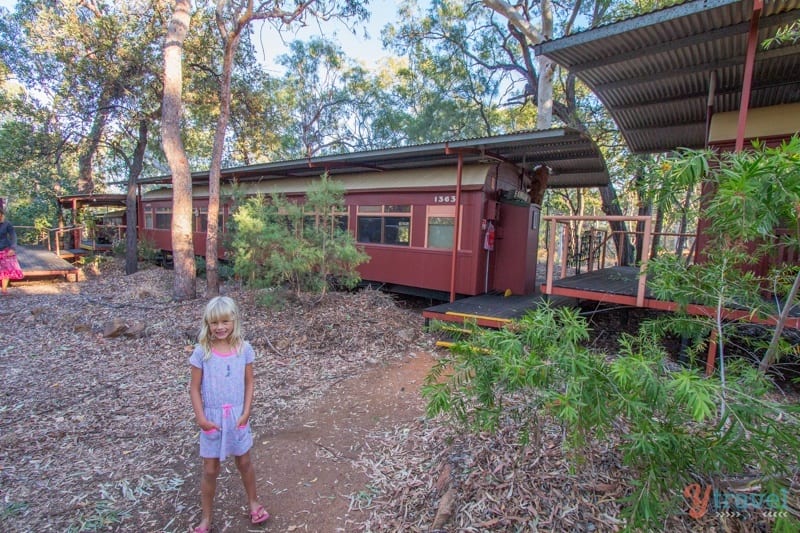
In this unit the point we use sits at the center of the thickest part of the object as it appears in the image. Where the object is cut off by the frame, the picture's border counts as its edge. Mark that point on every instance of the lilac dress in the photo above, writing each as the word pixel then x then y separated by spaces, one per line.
pixel 222 389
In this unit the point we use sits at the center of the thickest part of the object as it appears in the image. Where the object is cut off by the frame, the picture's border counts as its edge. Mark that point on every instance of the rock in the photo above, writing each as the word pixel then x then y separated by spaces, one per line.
pixel 135 330
pixel 115 328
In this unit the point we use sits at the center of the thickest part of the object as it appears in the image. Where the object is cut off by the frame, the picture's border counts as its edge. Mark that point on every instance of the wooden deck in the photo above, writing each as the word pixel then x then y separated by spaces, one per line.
pixel 39 262
pixel 617 286
pixel 490 310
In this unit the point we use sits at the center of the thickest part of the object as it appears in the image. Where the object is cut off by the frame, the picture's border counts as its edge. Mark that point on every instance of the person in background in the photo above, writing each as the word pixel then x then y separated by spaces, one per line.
pixel 221 389
pixel 9 266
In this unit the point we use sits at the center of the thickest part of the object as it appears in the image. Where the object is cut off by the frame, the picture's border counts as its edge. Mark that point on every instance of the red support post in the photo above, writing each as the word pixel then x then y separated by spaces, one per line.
pixel 457 229
pixel 747 81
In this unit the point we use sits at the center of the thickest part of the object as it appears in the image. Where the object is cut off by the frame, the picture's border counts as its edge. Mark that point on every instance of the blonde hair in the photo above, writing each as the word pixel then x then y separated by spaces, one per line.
pixel 220 308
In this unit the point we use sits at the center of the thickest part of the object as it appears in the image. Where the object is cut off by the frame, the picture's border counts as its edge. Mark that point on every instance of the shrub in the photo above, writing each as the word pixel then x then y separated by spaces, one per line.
pixel 278 242
pixel 147 250
pixel 679 425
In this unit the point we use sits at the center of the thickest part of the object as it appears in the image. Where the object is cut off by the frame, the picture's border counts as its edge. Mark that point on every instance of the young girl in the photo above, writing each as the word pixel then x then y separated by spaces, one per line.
pixel 221 389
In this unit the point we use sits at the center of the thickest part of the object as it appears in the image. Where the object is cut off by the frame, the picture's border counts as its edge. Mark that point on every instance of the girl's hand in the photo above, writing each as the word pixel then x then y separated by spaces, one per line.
pixel 207 425
pixel 242 422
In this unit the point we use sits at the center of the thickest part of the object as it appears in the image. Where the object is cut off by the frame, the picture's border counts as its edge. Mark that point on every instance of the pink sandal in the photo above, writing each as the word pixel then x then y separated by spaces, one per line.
pixel 259 516
pixel 201 529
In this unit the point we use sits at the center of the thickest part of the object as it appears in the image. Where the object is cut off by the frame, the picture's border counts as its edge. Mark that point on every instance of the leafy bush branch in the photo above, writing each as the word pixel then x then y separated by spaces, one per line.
pixel 304 246
pixel 666 420
pixel 752 216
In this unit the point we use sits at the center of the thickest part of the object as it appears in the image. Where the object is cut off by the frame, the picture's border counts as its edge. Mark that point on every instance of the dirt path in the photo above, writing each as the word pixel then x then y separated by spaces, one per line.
pixel 306 472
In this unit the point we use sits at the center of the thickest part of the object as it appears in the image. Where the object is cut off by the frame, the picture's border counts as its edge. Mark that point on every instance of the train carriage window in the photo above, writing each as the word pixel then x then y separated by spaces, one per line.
pixel 336 220
pixel 381 224
pixel 201 224
pixel 163 217
pixel 341 222
pixel 148 217
pixel 441 224
pixel 369 229
pixel 397 230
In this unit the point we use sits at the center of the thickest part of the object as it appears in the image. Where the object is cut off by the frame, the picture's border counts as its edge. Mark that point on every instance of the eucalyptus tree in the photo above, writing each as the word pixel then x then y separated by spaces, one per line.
pixel 315 98
pixel 83 58
pixel 233 18
pixel 495 38
pixel 452 84
pixel 34 163
pixel 93 66
pixel 184 283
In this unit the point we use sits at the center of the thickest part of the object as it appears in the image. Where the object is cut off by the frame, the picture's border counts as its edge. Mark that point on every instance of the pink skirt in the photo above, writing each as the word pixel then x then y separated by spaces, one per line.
pixel 9 266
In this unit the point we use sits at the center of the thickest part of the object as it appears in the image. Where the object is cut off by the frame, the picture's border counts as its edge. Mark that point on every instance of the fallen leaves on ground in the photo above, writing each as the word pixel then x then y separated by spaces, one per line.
pixel 98 431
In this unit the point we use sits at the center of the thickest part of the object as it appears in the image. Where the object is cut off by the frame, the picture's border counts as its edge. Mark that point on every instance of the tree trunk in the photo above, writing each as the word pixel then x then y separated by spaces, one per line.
pixel 184 286
pixel 645 208
pixel 131 209
pixel 212 233
pixel 658 228
pixel 772 349
pixel 544 108
pixel 611 207
pixel 90 145
pixel 681 244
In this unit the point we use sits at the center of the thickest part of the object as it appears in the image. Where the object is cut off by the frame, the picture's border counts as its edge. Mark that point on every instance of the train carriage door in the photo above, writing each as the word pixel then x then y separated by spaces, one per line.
pixel 516 242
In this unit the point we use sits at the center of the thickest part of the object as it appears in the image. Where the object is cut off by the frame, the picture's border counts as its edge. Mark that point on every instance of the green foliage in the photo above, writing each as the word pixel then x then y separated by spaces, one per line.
pixel 118 248
pixel 785 34
pixel 279 242
pixel 147 250
pixel 13 509
pixel 676 430
pixel 224 269
pixel 272 298
pixel 752 213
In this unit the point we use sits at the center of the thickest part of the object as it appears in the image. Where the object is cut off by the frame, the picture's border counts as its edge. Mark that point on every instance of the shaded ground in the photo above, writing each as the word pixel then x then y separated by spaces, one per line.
pixel 97 433
pixel 96 428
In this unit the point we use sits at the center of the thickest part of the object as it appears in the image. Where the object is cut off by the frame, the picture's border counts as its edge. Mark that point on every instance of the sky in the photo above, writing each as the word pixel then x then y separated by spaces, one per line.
pixel 367 52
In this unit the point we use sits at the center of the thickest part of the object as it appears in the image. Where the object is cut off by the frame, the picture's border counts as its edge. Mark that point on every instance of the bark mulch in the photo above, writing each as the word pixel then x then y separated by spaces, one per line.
pixel 97 433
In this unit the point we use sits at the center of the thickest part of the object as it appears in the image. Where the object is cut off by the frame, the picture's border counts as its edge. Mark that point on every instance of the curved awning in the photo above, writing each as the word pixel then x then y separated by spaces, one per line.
pixel 573 158
pixel 659 74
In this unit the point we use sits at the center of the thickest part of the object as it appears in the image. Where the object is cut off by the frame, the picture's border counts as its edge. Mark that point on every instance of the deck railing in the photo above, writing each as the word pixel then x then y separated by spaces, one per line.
pixel 53 238
pixel 598 246
pixel 101 237
pixel 94 238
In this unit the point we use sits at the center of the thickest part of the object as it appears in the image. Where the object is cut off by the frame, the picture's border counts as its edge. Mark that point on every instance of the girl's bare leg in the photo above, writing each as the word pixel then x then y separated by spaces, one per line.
pixel 4 283
pixel 208 486
pixel 248 473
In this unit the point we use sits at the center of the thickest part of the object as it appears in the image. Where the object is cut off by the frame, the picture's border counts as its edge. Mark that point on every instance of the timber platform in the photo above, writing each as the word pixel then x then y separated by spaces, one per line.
pixel 40 262
pixel 491 310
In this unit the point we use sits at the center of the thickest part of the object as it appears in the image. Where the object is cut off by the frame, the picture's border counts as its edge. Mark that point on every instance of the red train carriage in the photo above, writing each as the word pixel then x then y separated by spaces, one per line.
pixel 407 206
pixel 407 225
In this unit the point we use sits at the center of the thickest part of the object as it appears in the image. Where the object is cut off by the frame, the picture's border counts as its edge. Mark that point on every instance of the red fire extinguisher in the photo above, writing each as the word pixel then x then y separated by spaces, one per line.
pixel 488 240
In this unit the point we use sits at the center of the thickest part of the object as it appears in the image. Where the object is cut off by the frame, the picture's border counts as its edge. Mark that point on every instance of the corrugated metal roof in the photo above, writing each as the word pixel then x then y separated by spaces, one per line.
pixel 653 71
pixel 573 158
